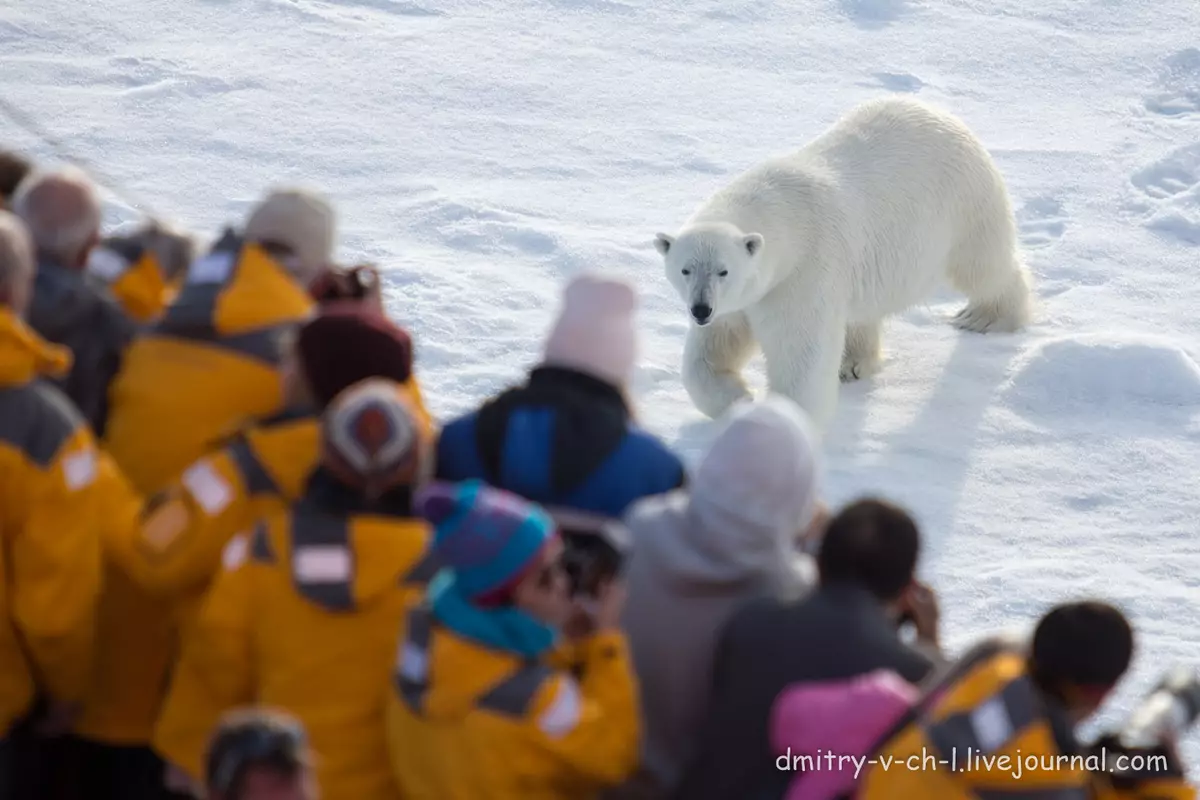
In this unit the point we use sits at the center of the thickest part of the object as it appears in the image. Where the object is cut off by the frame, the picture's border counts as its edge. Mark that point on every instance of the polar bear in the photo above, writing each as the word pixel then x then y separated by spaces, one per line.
pixel 805 254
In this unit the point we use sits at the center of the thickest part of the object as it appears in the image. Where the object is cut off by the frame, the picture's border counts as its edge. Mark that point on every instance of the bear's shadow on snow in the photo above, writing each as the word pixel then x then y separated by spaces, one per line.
pixel 948 427
pixel 924 464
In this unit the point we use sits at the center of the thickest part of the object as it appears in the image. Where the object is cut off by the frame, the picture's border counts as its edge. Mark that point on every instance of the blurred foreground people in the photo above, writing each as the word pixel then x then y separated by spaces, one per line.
pixel 1021 701
pixel 701 553
pixel 479 709
pixel 50 546
pixel 13 169
pixel 847 627
pixel 306 611
pixel 214 359
pixel 62 212
pixel 208 367
pixel 175 550
pixel 144 268
pixel 259 755
pixel 567 438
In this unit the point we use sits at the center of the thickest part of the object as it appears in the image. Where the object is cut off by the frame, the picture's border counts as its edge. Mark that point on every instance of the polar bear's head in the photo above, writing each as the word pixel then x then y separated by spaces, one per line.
pixel 713 267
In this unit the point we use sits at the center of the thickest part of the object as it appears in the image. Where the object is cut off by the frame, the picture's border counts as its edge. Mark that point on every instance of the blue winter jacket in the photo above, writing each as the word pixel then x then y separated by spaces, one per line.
pixel 564 439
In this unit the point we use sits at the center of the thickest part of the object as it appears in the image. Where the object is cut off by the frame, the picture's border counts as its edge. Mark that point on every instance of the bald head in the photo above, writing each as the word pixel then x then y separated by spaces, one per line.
pixel 16 264
pixel 62 211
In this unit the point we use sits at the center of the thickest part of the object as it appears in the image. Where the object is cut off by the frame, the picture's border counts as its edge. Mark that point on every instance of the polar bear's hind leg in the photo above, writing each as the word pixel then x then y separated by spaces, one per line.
pixel 987 268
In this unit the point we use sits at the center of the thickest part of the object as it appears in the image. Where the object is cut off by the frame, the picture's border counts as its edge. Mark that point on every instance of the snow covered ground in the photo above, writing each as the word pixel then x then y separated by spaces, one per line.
pixel 484 150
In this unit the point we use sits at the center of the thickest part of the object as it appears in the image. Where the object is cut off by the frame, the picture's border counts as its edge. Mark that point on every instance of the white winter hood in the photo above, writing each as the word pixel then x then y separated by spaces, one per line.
pixel 754 492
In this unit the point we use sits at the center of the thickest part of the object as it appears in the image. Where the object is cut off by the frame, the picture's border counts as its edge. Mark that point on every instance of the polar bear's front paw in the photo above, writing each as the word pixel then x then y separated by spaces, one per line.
pixel 717 392
pixel 856 367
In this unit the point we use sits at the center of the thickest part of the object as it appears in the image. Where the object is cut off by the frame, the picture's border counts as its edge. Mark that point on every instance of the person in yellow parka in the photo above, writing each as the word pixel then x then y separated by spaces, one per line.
pixel 174 551
pixel 145 268
pixel 210 365
pixel 213 362
pixel 1001 722
pixel 50 544
pixel 305 613
pixel 479 709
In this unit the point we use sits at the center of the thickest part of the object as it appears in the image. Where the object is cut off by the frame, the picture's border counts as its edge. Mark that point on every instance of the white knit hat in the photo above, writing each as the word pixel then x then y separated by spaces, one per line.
pixel 594 332
pixel 301 220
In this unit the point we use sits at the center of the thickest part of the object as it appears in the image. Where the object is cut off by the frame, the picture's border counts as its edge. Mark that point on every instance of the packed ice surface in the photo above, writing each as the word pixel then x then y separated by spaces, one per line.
pixel 482 151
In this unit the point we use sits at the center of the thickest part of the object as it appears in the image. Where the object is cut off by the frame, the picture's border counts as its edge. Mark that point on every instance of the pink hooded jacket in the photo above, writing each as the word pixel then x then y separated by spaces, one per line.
pixel 842 718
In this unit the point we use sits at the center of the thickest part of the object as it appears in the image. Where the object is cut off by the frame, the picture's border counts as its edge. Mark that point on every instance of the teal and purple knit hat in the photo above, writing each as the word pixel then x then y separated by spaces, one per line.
pixel 490 538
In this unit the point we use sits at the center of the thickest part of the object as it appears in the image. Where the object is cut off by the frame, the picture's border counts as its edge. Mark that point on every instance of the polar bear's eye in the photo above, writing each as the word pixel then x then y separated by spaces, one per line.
pixel 723 273
pixel 687 272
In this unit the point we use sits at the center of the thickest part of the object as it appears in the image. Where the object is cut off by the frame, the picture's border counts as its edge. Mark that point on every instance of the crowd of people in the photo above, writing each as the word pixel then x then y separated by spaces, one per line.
pixel 242 560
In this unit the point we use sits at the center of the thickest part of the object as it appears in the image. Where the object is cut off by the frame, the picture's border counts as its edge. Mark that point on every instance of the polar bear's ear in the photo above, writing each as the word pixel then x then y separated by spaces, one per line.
pixel 753 242
pixel 662 243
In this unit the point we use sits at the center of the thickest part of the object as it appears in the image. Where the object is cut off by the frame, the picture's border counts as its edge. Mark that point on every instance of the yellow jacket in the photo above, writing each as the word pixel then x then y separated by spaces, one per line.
pixel 50 546
pixel 175 551
pixel 470 723
pixel 987 732
pixel 208 367
pixel 135 279
pixel 304 617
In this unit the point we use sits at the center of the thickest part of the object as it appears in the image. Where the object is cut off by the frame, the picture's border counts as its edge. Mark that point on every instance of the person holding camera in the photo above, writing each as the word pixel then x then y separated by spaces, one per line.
pixel 848 626
pixel 1001 721
pixel 305 612
pixel 481 708
pixel 566 438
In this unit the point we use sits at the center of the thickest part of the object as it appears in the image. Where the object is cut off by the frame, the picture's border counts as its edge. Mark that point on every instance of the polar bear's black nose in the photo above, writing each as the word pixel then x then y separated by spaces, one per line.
pixel 701 312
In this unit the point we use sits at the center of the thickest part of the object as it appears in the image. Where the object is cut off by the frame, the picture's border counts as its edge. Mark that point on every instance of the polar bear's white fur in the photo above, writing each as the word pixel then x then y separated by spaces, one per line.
pixel 805 254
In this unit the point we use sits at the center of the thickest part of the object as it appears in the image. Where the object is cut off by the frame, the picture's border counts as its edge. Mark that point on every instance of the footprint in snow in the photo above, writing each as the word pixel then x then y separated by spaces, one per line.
pixel 1170 176
pixel 896 82
pixel 873 14
pixel 1171 186
pixel 1178 92
pixel 1042 222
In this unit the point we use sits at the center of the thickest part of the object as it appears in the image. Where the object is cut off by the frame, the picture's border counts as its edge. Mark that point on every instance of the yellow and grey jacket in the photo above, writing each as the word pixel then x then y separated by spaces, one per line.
pixel 986 732
pixel 175 550
pixel 208 367
pixel 304 616
pixel 133 275
pixel 50 546
pixel 466 722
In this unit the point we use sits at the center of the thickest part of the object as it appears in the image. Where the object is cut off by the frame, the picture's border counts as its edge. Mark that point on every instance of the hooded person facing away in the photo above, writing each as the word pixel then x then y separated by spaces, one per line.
pixel 699 554
pixel 566 439
pixel 210 365
pixel 306 612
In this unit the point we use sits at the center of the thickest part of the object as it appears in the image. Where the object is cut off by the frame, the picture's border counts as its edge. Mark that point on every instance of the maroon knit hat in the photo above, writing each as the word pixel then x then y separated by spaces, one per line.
pixel 350 342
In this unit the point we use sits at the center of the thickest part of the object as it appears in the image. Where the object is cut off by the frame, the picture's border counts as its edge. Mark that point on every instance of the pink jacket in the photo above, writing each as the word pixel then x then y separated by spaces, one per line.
pixel 841 719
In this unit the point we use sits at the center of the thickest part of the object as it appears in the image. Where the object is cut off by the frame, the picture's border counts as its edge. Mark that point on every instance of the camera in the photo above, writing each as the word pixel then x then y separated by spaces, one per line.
pixel 341 283
pixel 595 549
pixel 1167 712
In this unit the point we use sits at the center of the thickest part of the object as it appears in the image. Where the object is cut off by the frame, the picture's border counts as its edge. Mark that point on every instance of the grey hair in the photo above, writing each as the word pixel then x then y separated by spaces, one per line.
pixel 16 252
pixel 62 211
